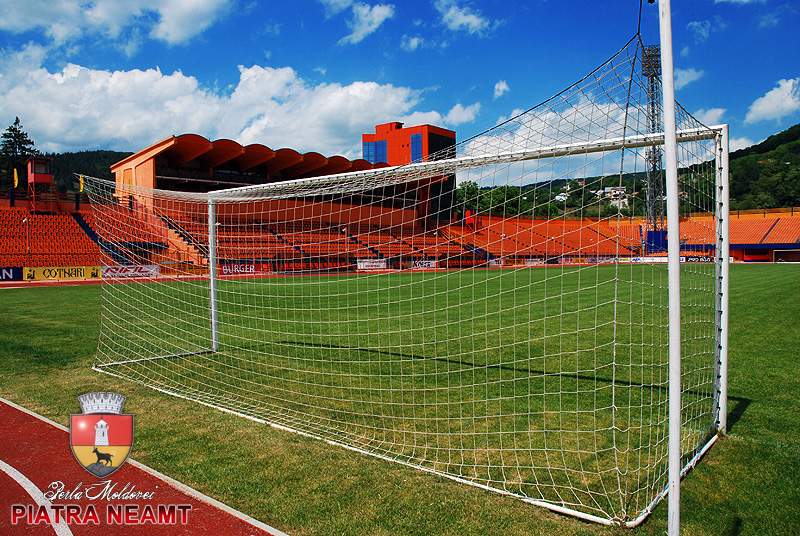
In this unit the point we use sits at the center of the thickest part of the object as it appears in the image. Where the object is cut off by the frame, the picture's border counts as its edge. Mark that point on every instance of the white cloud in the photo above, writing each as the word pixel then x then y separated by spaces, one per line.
pixel 16 65
pixel 334 7
pixel 328 118
pixel 710 117
pixel 410 44
pixel 422 118
pixel 740 2
pixel 701 30
pixel 777 103
pixel 457 115
pixel 55 17
pixel 366 19
pixel 130 46
pixel 107 109
pixel 574 121
pixel 460 114
pixel 172 21
pixel 182 19
pixel 500 89
pixel 734 144
pixel 458 18
pixel 684 77
pixel 769 20
pixel 515 112
pixel 78 108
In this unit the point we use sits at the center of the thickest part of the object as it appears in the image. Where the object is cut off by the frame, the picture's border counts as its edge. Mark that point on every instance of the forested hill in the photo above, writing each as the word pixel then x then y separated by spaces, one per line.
pixel 93 163
pixel 767 175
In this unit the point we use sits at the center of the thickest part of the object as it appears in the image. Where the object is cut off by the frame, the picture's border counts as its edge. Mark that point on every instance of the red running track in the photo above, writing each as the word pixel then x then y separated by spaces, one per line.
pixel 35 457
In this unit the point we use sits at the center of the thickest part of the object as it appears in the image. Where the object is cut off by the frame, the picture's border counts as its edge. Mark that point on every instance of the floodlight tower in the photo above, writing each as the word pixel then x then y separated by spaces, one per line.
pixel 654 182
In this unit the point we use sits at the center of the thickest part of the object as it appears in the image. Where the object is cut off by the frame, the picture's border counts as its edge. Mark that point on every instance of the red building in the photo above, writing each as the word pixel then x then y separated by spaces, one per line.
pixel 396 145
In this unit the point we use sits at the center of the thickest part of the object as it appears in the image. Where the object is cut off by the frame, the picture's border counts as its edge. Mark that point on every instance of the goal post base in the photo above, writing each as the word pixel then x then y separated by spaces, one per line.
pixel 154 358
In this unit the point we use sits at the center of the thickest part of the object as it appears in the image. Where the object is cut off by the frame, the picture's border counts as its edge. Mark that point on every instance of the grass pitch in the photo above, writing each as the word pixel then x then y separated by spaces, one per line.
pixel 302 486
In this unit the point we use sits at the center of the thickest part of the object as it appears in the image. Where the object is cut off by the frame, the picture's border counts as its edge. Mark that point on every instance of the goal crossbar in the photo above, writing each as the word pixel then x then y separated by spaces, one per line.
pixel 386 176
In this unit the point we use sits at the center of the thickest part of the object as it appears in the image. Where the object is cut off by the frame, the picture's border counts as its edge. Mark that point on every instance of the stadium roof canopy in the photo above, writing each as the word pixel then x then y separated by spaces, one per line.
pixel 192 162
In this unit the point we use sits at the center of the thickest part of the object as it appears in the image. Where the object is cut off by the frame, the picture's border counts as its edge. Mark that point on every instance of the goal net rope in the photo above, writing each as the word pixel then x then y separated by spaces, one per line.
pixel 495 313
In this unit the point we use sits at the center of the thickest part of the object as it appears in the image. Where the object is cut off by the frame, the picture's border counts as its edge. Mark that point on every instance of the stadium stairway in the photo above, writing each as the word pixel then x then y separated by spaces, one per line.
pixel 106 247
pixel 187 238
pixel 410 244
pixel 374 250
pixel 770 230
pixel 283 239
pixel 466 245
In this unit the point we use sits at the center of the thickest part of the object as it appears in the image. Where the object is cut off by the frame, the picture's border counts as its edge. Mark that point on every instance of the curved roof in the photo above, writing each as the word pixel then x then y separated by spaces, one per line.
pixel 178 151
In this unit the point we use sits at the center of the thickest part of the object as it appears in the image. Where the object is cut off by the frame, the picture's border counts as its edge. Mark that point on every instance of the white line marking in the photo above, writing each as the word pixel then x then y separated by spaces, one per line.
pixel 61 528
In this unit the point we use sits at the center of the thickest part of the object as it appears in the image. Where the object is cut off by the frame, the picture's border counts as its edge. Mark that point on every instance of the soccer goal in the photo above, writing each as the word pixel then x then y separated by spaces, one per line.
pixel 497 313
pixel 786 255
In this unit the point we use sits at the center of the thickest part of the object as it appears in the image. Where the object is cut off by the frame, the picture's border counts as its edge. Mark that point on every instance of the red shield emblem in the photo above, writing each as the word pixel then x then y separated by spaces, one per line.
pixel 101 442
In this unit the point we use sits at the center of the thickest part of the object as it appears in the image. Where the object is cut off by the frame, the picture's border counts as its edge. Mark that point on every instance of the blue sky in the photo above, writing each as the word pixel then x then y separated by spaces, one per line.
pixel 316 74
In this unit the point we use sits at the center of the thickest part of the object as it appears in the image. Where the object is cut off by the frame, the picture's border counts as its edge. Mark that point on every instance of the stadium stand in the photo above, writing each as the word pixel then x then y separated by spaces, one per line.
pixel 546 238
pixel 35 239
pixel 785 231
pixel 38 239
pixel 750 231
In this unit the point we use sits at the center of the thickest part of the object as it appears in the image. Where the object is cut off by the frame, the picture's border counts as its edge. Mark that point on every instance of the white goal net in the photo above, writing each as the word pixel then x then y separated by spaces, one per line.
pixel 495 313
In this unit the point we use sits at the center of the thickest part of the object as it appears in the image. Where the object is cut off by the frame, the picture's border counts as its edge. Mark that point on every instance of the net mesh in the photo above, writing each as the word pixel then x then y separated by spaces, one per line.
pixel 495 312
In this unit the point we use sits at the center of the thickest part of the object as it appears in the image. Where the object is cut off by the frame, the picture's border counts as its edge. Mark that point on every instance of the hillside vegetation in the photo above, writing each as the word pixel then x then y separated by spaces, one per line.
pixel 93 163
pixel 767 175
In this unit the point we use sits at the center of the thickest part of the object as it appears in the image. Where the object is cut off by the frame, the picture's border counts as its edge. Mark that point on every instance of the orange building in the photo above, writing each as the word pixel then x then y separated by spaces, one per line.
pixel 396 145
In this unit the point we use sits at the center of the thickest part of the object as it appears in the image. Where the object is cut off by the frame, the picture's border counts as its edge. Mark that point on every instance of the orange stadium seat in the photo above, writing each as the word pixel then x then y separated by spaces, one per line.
pixel 750 230
pixel 785 231
pixel 43 240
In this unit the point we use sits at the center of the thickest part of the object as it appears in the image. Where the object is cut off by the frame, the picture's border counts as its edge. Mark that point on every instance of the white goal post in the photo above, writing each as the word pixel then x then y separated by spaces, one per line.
pixel 498 313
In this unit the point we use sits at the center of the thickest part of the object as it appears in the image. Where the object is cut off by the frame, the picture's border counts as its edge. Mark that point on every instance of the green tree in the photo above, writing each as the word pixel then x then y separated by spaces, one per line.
pixel 767 173
pixel 546 210
pixel 15 151
pixel 467 195
pixel 94 163
pixel 579 195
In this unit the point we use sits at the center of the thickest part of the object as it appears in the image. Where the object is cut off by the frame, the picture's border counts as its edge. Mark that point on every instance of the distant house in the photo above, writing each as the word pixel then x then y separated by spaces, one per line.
pixel 615 192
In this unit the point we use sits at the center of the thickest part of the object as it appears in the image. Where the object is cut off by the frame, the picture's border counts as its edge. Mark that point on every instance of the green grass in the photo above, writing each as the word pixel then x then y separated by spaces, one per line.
pixel 747 483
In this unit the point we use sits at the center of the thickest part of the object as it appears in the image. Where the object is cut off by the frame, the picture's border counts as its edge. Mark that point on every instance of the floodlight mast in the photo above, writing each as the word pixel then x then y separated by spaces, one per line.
pixel 654 181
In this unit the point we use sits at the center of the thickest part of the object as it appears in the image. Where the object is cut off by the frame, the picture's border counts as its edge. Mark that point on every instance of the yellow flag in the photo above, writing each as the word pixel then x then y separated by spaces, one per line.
pixel 80 179
pixel 16 178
